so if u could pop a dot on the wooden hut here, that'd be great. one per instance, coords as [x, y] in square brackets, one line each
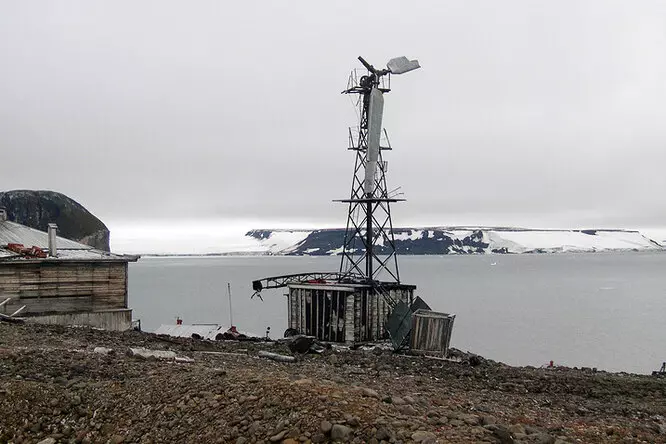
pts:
[343, 312]
[50, 279]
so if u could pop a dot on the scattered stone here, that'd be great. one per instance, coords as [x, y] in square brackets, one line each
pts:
[319, 437]
[278, 437]
[488, 419]
[503, 435]
[69, 394]
[407, 410]
[304, 381]
[517, 429]
[325, 427]
[470, 419]
[423, 436]
[383, 434]
[369, 392]
[542, 438]
[103, 350]
[340, 432]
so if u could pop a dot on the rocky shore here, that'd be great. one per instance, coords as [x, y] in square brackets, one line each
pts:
[76, 385]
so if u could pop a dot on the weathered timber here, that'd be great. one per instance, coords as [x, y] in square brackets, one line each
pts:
[45, 287]
[342, 312]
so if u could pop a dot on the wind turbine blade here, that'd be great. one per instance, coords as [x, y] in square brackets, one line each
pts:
[374, 133]
[401, 65]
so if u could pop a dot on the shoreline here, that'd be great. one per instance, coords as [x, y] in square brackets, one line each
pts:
[530, 253]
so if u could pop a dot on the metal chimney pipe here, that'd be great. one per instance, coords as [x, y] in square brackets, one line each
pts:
[53, 248]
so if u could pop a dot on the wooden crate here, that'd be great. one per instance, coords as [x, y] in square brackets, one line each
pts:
[431, 332]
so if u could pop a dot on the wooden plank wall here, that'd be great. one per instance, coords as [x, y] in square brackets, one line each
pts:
[56, 287]
[116, 320]
[318, 312]
[431, 333]
[341, 316]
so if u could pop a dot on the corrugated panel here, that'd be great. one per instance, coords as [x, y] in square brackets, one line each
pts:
[399, 324]
[69, 255]
[13, 233]
[89, 255]
[6, 253]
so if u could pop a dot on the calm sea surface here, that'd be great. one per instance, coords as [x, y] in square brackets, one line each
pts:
[596, 310]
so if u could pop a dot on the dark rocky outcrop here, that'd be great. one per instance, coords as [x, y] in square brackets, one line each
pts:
[408, 241]
[37, 209]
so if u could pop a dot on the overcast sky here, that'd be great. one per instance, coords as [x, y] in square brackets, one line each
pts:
[542, 114]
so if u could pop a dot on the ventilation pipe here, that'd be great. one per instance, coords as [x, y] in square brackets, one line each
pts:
[3, 214]
[53, 249]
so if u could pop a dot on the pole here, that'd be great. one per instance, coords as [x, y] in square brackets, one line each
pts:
[231, 319]
[368, 241]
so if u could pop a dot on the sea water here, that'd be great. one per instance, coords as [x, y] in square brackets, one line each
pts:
[604, 310]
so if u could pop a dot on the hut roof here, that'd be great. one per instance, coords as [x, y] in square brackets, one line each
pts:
[15, 233]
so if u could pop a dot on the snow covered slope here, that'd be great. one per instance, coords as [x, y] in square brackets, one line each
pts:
[278, 241]
[458, 240]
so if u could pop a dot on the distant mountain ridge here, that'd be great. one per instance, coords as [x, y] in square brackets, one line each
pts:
[458, 240]
[36, 209]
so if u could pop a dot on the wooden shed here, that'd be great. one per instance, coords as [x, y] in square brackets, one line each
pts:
[49, 279]
[343, 312]
[431, 333]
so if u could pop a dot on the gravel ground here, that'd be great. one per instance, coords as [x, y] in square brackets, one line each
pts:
[54, 387]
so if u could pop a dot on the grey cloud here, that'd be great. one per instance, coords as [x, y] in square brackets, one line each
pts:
[539, 112]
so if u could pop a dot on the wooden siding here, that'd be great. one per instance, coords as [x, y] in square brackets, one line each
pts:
[339, 314]
[431, 332]
[117, 320]
[61, 287]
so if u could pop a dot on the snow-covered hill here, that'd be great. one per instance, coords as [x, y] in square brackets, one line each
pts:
[458, 240]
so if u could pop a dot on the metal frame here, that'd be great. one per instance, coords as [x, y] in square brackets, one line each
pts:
[369, 238]
[302, 278]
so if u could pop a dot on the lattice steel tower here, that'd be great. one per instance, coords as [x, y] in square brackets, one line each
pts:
[369, 244]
